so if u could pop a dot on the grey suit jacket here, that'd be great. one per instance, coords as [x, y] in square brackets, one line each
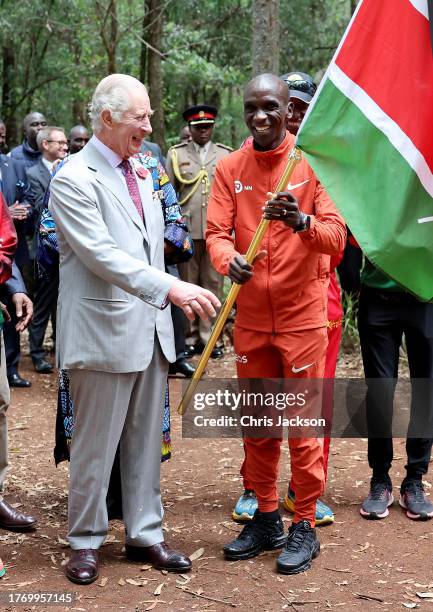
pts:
[113, 286]
[39, 179]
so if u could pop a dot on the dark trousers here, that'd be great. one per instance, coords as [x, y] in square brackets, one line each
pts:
[45, 305]
[179, 320]
[383, 318]
[10, 334]
[12, 341]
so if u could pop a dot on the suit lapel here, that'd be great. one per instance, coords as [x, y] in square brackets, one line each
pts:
[108, 176]
[6, 182]
[44, 172]
[193, 154]
[149, 200]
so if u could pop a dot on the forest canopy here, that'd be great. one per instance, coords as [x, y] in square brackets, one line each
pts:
[187, 51]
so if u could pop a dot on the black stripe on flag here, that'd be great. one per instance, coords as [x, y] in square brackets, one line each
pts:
[430, 14]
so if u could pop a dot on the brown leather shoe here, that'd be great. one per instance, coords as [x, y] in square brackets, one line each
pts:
[13, 520]
[161, 556]
[82, 567]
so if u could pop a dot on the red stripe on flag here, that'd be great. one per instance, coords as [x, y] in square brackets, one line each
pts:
[387, 52]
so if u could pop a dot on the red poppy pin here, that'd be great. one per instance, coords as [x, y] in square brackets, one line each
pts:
[142, 172]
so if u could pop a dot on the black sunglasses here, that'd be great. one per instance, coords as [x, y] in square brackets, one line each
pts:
[302, 85]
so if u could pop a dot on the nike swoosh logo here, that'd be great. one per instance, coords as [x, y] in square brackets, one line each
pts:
[296, 370]
[290, 187]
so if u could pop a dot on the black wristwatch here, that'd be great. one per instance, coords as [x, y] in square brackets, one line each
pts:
[304, 224]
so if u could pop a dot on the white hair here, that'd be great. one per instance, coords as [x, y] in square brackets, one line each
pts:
[112, 93]
[45, 134]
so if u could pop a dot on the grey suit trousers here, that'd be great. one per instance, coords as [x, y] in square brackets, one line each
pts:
[110, 408]
[4, 404]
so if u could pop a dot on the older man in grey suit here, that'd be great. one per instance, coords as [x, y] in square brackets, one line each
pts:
[115, 336]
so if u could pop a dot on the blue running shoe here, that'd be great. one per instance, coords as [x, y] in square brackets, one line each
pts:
[324, 514]
[246, 507]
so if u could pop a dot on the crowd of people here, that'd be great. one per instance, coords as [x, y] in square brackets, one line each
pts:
[104, 233]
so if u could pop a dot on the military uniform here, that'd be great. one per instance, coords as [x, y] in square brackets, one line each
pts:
[191, 171]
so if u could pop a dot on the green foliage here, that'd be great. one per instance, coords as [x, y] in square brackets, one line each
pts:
[350, 335]
[57, 53]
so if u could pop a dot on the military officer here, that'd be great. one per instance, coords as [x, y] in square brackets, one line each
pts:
[191, 167]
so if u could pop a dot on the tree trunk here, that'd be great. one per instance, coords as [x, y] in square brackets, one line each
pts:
[233, 130]
[112, 46]
[154, 70]
[78, 106]
[8, 94]
[143, 49]
[266, 27]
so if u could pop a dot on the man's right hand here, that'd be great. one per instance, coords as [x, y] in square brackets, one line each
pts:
[193, 300]
[19, 212]
[240, 271]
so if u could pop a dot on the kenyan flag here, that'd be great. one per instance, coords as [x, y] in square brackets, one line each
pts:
[369, 137]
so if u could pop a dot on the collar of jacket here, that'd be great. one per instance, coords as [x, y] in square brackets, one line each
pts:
[29, 151]
[281, 151]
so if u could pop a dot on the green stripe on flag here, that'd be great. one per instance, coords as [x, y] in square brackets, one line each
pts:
[376, 191]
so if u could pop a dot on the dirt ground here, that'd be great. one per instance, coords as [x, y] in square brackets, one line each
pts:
[362, 566]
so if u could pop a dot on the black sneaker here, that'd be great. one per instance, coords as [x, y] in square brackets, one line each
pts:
[301, 547]
[377, 502]
[261, 533]
[414, 500]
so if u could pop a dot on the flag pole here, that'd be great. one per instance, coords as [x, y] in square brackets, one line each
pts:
[294, 158]
[430, 16]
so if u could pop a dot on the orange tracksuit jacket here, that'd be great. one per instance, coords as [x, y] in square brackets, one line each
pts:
[287, 294]
[288, 291]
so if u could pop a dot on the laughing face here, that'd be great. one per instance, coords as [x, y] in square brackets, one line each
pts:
[266, 111]
[126, 136]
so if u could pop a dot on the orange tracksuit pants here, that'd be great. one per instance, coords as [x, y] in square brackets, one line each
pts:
[264, 355]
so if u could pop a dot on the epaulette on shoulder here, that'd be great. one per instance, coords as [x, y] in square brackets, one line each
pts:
[179, 144]
[223, 146]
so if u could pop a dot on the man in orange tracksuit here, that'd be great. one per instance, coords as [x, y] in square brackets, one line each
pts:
[281, 318]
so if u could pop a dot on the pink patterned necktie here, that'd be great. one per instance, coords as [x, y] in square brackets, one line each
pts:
[131, 183]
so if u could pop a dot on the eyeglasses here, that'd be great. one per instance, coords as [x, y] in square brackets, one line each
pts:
[61, 143]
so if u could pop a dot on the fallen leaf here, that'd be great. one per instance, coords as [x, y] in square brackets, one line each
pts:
[410, 605]
[133, 582]
[103, 582]
[197, 554]
[427, 595]
[110, 539]
[158, 589]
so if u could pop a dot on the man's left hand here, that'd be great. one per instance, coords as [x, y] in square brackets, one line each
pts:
[283, 206]
[24, 310]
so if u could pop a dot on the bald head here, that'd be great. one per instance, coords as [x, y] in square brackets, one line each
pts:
[266, 101]
[268, 82]
[32, 124]
[78, 138]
